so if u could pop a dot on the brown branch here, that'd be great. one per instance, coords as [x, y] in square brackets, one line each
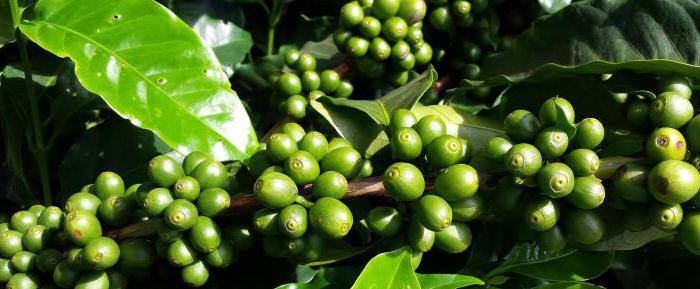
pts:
[442, 83]
[345, 66]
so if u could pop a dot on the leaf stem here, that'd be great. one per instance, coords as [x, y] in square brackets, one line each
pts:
[270, 40]
[40, 150]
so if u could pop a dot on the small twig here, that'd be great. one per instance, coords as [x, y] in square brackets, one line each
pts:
[344, 67]
[442, 83]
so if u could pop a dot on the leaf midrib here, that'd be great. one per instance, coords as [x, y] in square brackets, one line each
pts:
[130, 67]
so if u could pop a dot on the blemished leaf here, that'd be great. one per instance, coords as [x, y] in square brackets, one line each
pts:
[566, 265]
[151, 68]
[552, 6]
[229, 42]
[569, 285]
[114, 145]
[447, 281]
[391, 270]
[602, 36]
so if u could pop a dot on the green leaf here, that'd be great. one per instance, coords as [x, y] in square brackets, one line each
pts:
[566, 265]
[563, 124]
[333, 277]
[603, 36]
[325, 52]
[339, 251]
[619, 238]
[114, 145]
[621, 142]
[447, 281]
[9, 13]
[151, 68]
[569, 285]
[362, 121]
[229, 42]
[552, 6]
[391, 270]
[477, 130]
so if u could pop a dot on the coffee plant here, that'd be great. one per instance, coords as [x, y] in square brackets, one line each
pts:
[506, 144]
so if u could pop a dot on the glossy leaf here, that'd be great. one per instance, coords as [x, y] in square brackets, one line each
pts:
[391, 270]
[618, 238]
[602, 36]
[552, 6]
[116, 146]
[9, 13]
[151, 68]
[563, 124]
[325, 52]
[229, 42]
[339, 251]
[351, 124]
[477, 130]
[566, 265]
[331, 277]
[447, 281]
[569, 285]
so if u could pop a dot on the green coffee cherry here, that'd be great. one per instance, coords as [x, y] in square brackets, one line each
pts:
[384, 9]
[589, 134]
[23, 261]
[293, 130]
[331, 218]
[75, 259]
[456, 238]
[414, 37]
[167, 235]
[83, 202]
[186, 188]
[407, 63]
[588, 193]
[302, 167]
[370, 68]
[24, 281]
[101, 253]
[468, 209]
[413, 11]
[164, 171]
[357, 46]
[457, 182]
[296, 106]
[689, 232]
[367, 169]
[22, 220]
[638, 114]
[693, 134]
[275, 190]
[423, 55]
[330, 80]
[116, 211]
[403, 181]
[351, 15]
[265, 222]
[370, 27]
[117, 280]
[180, 215]
[36, 209]
[92, 280]
[400, 51]
[6, 270]
[64, 275]
[552, 240]
[675, 83]
[665, 144]
[384, 221]
[306, 62]
[36, 238]
[419, 237]
[222, 257]
[330, 184]
[440, 18]
[584, 226]
[292, 221]
[81, 227]
[548, 114]
[306, 249]
[156, 201]
[240, 236]
[434, 212]
[429, 128]
[291, 57]
[289, 84]
[136, 254]
[630, 183]
[444, 151]
[508, 194]
[51, 218]
[670, 110]
[314, 143]
[310, 80]
[213, 202]
[555, 180]
[205, 235]
[397, 77]
[344, 90]
[583, 162]
[673, 182]
[541, 214]
[192, 160]
[401, 118]
[552, 142]
[666, 217]
[523, 160]
[46, 261]
[521, 125]
[280, 146]
[108, 184]
[210, 174]
[345, 160]
[497, 148]
[405, 144]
